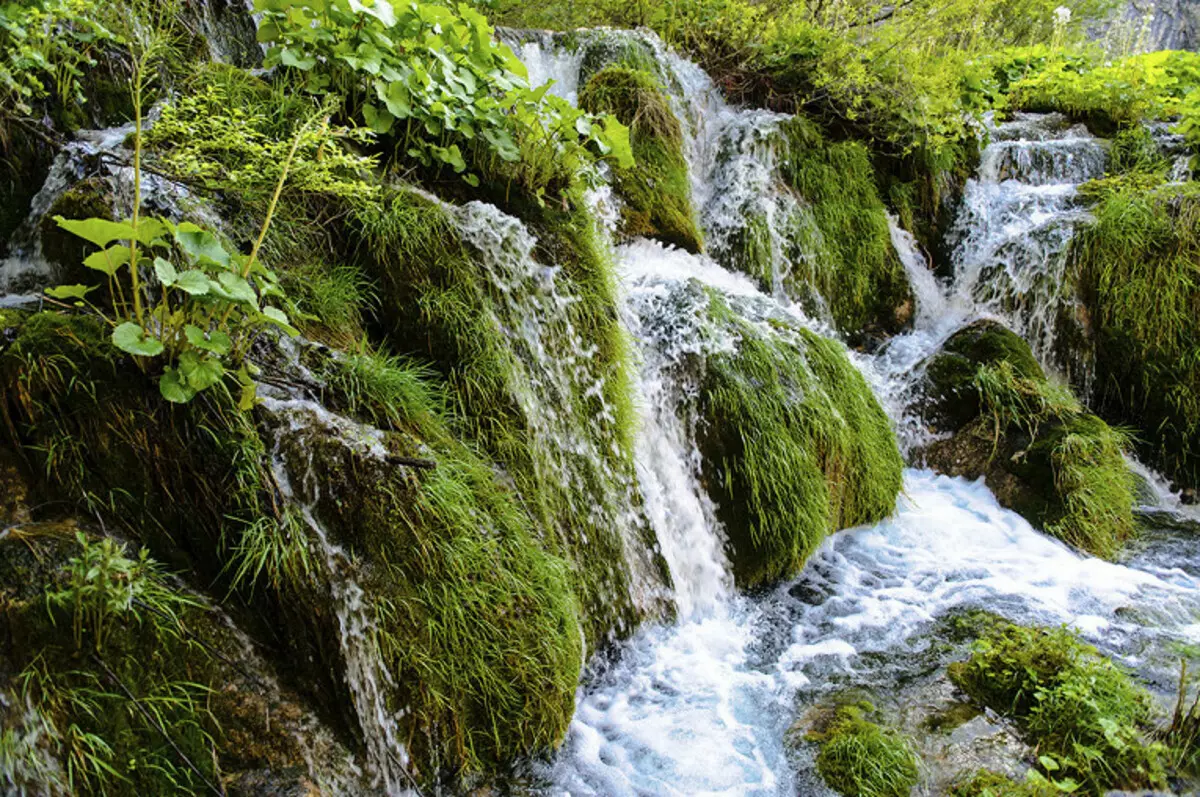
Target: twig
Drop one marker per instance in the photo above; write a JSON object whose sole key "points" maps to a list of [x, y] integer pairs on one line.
{"points": [[412, 462]]}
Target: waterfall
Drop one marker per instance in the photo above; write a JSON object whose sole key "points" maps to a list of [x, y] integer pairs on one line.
{"points": [[703, 706]]}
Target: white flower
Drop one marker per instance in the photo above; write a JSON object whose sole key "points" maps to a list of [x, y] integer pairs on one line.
{"points": [[1062, 15]]}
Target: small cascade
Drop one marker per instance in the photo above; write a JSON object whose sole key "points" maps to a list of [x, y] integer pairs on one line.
{"points": [[563, 397], [368, 680], [96, 154], [1018, 217]]}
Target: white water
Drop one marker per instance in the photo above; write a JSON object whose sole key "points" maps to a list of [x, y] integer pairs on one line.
{"points": [[702, 706]]}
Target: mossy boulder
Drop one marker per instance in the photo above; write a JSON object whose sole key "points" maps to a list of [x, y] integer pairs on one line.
{"points": [[1041, 453], [795, 445], [439, 300], [861, 758], [856, 269], [656, 190], [136, 685], [476, 624], [1088, 719], [1135, 267]]}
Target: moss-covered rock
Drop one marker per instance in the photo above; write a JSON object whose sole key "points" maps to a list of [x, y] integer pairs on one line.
{"points": [[795, 445], [860, 758], [139, 686], [476, 623], [439, 297], [1135, 264], [656, 189], [985, 783], [1040, 452], [1085, 716], [857, 270]]}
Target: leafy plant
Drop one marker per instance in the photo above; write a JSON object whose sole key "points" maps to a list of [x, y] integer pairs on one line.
{"points": [[435, 71], [1086, 716], [46, 46]]}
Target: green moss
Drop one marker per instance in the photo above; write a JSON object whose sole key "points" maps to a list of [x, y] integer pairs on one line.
{"points": [[1136, 266], [477, 623], [796, 446], [985, 783], [1042, 454], [859, 758], [656, 190], [437, 301], [859, 273], [1084, 714]]}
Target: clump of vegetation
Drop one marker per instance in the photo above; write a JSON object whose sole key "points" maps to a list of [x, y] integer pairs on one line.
{"points": [[985, 783], [656, 189], [1088, 719], [435, 79], [436, 300], [796, 446], [1136, 266], [1042, 454], [860, 758], [477, 623], [858, 271], [123, 696]]}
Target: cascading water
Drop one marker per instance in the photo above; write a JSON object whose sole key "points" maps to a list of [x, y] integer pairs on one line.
{"points": [[368, 680], [703, 706], [1018, 217]]}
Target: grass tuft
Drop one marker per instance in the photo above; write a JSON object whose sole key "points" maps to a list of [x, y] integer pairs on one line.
{"points": [[859, 758]]}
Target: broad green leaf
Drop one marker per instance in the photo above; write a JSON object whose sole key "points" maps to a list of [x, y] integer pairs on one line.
{"points": [[129, 337], [150, 229], [108, 260], [69, 291], [289, 57], [217, 341], [280, 319], [101, 232], [194, 282], [249, 396], [237, 289], [200, 372], [201, 244], [165, 271], [173, 387], [378, 119]]}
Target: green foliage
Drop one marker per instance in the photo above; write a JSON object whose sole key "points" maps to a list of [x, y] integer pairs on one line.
{"points": [[1137, 270], [985, 783], [437, 72], [1159, 85], [122, 712], [796, 446], [208, 310], [102, 586], [858, 271], [233, 140], [859, 758], [656, 190], [1087, 718], [274, 550], [392, 392], [46, 47]]}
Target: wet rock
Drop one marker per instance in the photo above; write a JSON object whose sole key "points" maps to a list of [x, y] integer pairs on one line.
{"points": [[795, 445], [1039, 451]]}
